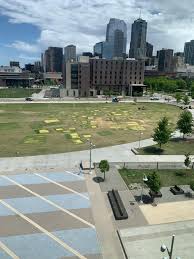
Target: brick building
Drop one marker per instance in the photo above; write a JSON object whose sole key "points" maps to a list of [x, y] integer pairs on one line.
{"points": [[93, 77]]}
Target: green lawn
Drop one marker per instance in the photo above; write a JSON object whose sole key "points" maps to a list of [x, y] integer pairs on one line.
{"points": [[168, 177], [17, 92], [72, 124], [174, 147]]}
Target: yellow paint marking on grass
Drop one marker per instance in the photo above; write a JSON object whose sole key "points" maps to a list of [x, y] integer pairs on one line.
{"points": [[8, 251], [43, 131], [48, 201], [51, 121], [43, 230]]}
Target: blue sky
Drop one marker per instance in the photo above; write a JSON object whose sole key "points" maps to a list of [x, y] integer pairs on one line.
{"points": [[28, 27], [16, 32]]}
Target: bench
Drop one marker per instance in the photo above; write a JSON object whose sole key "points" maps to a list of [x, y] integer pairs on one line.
{"points": [[117, 206], [176, 190]]}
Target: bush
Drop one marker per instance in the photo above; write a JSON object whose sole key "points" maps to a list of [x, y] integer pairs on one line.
{"points": [[180, 173], [154, 182], [192, 185]]}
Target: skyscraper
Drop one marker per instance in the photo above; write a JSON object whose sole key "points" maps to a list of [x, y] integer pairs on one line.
{"points": [[165, 60], [98, 49], [70, 53], [138, 39], [54, 59], [189, 52], [149, 50], [116, 37]]}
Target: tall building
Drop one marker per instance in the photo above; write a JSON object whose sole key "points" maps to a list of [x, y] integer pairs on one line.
{"points": [[91, 77], [70, 53], [87, 54], [178, 61], [14, 64], [165, 60], [116, 36], [29, 67], [189, 52], [53, 59], [98, 49], [138, 39], [149, 50]]}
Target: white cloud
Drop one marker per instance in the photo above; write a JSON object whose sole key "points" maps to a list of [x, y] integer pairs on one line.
{"points": [[24, 46], [83, 22]]}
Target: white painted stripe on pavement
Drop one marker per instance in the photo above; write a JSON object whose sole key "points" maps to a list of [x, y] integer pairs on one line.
{"points": [[81, 177], [8, 251], [59, 241], [62, 186], [48, 201]]}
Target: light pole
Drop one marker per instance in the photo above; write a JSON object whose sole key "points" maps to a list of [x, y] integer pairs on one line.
{"points": [[140, 134], [165, 248], [145, 179], [91, 146]]}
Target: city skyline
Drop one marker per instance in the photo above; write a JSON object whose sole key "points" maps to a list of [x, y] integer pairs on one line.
{"points": [[29, 30]]}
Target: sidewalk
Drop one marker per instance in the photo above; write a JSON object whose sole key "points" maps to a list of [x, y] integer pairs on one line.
{"points": [[107, 235]]}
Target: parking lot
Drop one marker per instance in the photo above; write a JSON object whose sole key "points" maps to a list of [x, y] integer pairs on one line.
{"points": [[46, 215]]}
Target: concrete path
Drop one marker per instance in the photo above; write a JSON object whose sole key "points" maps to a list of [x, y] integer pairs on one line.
{"points": [[116, 154], [107, 235]]}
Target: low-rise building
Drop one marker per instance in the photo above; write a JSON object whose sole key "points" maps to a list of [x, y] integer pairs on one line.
{"points": [[15, 77], [91, 77]]}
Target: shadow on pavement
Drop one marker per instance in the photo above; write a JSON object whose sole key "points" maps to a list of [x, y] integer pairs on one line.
{"points": [[98, 179]]}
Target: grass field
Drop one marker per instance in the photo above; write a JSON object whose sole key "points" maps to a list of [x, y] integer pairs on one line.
{"points": [[17, 92], [168, 177], [174, 147], [32, 129]]}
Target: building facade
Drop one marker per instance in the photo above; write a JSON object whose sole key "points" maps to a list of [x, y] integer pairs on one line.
{"points": [[53, 59], [15, 77], [70, 53], [116, 37], [98, 49], [189, 52], [149, 50], [14, 64], [138, 39], [165, 60], [100, 76]]}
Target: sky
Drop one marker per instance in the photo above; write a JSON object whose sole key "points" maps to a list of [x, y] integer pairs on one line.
{"points": [[28, 27]]}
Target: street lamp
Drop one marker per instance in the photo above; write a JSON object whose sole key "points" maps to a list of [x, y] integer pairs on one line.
{"points": [[91, 146], [165, 248], [145, 179], [140, 134]]}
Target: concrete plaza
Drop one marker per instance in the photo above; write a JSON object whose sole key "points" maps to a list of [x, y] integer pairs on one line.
{"points": [[145, 242]]}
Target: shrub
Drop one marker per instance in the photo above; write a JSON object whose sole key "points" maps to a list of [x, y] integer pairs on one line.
{"points": [[192, 185]]}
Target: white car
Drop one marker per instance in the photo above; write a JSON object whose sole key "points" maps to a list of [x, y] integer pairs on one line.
{"points": [[154, 98]]}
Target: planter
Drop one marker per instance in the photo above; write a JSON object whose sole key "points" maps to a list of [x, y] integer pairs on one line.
{"points": [[155, 194]]}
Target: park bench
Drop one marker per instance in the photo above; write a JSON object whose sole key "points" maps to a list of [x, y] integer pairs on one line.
{"points": [[176, 190], [117, 206]]}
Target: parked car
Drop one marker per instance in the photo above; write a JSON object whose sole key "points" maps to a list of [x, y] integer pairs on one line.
{"points": [[29, 99], [115, 100], [154, 98]]}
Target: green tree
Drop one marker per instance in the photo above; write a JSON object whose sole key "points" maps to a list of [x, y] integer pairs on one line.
{"points": [[104, 167], [187, 161], [185, 123], [178, 97], [162, 133], [186, 100], [154, 182]]}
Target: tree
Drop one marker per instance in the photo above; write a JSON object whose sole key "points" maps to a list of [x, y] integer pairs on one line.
{"points": [[187, 161], [186, 100], [178, 97], [104, 167], [154, 182], [185, 123], [162, 133]]}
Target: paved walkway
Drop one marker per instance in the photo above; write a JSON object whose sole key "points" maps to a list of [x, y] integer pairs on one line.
{"points": [[107, 234]]}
